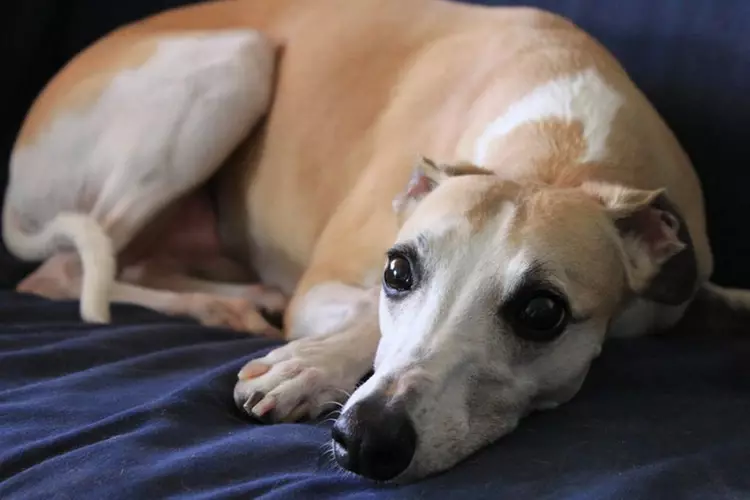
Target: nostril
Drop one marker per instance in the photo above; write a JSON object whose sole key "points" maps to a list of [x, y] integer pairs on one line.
{"points": [[338, 434], [341, 435]]}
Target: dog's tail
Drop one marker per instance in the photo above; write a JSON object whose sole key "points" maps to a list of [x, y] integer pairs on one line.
{"points": [[86, 236], [719, 309]]}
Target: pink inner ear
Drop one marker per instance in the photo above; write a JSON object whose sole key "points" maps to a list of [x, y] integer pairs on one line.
{"points": [[658, 229], [419, 185]]}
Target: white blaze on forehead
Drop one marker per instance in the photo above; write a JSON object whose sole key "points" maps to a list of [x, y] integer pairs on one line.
{"points": [[584, 97]]}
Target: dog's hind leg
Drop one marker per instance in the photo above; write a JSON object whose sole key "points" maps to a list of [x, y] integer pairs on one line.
{"points": [[201, 96], [59, 278], [163, 274], [210, 310], [127, 128]]}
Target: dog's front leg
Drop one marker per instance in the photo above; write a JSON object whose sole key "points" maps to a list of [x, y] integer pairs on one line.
{"points": [[338, 333], [332, 318]]}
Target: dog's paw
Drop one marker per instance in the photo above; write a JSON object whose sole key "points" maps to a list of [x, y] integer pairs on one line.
{"points": [[237, 313], [296, 381]]}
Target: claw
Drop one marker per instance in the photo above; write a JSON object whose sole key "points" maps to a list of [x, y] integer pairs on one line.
{"points": [[252, 401], [262, 410]]}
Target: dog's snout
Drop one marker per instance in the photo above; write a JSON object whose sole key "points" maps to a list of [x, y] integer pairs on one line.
{"points": [[374, 439]]}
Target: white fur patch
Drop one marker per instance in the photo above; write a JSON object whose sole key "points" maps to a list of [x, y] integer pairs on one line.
{"points": [[155, 131], [583, 97], [330, 308]]}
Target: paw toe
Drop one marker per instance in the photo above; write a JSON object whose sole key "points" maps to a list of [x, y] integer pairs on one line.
{"points": [[253, 369]]}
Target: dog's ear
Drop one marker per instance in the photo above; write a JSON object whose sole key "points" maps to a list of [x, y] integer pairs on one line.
{"points": [[658, 251], [425, 177]]}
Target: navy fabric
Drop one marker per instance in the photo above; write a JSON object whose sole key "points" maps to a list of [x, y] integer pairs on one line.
{"points": [[142, 408]]}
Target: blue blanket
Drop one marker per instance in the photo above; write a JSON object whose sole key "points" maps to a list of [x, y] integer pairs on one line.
{"points": [[143, 409]]}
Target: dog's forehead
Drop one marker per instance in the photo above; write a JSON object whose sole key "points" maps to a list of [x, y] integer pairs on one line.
{"points": [[568, 232], [566, 221], [493, 233], [464, 204]]}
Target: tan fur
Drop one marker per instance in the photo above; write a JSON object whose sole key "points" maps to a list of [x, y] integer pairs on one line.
{"points": [[490, 202], [547, 213]]}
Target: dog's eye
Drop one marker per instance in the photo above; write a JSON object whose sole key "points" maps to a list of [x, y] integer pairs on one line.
{"points": [[398, 277], [540, 317]]}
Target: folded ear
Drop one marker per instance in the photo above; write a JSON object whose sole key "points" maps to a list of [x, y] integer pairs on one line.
{"points": [[425, 177], [658, 251]]}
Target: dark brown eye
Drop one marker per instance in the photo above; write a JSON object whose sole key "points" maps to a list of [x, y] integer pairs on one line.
{"points": [[540, 317], [398, 276]]}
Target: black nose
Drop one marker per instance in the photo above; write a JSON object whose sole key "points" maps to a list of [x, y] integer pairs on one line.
{"points": [[374, 439]]}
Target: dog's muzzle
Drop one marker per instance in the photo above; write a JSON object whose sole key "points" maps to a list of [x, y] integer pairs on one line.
{"points": [[375, 439]]}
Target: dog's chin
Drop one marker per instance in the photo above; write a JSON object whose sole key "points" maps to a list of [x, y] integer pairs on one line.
{"points": [[418, 470], [430, 467], [413, 474]]}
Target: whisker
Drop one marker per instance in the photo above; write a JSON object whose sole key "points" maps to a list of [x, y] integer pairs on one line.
{"points": [[329, 461], [346, 394], [331, 415], [328, 457], [326, 448], [328, 421]]}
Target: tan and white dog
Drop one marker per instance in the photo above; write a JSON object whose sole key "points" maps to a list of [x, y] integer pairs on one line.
{"points": [[526, 199]]}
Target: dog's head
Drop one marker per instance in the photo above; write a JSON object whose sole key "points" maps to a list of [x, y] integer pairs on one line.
{"points": [[495, 299]]}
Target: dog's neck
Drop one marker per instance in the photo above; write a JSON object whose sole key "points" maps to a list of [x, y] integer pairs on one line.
{"points": [[551, 135]]}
